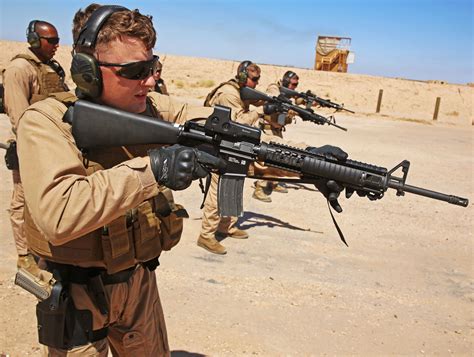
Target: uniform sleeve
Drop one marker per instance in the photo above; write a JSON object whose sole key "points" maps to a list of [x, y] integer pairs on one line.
{"points": [[239, 113], [176, 111], [164, 89], [17, 81], [64, 202], [273, 90]]}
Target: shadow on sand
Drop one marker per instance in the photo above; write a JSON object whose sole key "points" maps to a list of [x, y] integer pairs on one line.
{"points": [[181, 353], [253, 219]]}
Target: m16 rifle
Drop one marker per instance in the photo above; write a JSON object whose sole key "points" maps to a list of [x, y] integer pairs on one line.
{"points": [[95, 126], [311, 98], [284, 105]]}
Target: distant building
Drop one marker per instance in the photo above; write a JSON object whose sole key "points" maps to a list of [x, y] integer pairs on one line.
{"points": [[333, 54]]}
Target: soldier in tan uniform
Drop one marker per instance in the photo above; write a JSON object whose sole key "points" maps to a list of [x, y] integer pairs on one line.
{"points": [[160, 86], [98, 220], [274, 124], [228, 94], [30, 77]]}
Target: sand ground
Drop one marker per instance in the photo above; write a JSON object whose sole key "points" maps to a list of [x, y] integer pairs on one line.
{"points": [[404, 286]]}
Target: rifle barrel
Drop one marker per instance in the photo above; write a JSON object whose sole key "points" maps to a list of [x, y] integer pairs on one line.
{"points": [[455, 200]]}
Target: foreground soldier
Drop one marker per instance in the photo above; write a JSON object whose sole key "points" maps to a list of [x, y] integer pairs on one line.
{"points": [[98, 220], [31, 76], [227, 94]]}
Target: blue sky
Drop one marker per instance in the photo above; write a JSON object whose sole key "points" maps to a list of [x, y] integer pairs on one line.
{"points": [[416, 39]]}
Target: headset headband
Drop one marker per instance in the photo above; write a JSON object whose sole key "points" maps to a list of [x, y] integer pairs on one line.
{"points": [[89, 32], [31, 26], [243, 66]]}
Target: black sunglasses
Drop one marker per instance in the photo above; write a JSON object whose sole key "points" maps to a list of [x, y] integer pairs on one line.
{"points": [[52, 40], [135, 70], [255, 79]]}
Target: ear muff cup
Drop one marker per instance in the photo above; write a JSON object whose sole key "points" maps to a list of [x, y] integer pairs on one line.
{"points": [[86, 74], [242, 77], [286, 78], [34, 40], [32, 36], [242, 73]]}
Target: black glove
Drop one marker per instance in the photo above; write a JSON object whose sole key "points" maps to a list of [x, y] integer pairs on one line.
{"points": [[329, 151], [329, 188], [270, 108], [176, 166]]}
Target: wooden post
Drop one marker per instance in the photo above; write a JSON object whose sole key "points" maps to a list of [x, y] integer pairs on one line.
{"points": [[379, 101], [436, 111]]}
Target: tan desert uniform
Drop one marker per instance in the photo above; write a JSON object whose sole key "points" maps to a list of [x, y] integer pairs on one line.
{"points": [[226, 94], [269, 124], [102, 215], [26, 80]]}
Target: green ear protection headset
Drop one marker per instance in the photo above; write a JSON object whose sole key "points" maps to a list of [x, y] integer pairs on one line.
{"points": [[85, 70], [242, 73], [286, 78], [32, 36]]}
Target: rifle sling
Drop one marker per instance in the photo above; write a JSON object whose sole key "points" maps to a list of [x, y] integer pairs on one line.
{"points": [[341, 235]]}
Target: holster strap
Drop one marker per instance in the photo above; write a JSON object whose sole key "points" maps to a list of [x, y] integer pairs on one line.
{"points": [[78, 275], [98, 335]]}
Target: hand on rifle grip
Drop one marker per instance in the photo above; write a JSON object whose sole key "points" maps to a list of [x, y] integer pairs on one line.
{"points": [[210, 162], [176, 166]]}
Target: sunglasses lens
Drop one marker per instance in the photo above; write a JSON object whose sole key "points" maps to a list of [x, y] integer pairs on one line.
{"points": [[52, 40], [139, 70]]}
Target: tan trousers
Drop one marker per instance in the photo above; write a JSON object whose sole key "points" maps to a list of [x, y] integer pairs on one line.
{"points": [[211, 221], [136, 322], [17, 206]]}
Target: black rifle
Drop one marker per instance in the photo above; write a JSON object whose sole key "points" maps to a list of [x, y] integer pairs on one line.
{"points": [[284, 104], [95, 126], [311, 98]]}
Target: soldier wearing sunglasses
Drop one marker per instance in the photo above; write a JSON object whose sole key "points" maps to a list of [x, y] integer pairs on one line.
{"points": [[160, 86], [100, 220], [228, 94], [274, 124], [28, 78]]}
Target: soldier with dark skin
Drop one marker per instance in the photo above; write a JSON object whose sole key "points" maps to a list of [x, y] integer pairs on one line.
{"points": [[28, 78]]}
